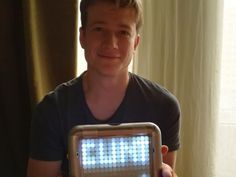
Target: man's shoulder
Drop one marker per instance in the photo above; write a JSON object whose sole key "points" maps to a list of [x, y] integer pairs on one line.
{"points": [[71, 84], [146, 83], [151, 88], [63, 92]]}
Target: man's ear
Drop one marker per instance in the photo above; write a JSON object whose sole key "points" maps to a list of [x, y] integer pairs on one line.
{"points": [[81, 36], [136, 42]]}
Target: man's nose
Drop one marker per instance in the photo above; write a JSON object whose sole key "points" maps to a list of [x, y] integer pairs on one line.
{"points": [[110, 40]]}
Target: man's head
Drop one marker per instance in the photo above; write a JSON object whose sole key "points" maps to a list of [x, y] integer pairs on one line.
{"points": [[133, 4], [109, 35]]}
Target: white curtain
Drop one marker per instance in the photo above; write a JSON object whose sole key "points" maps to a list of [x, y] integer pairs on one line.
{"points": [[180, 49]]}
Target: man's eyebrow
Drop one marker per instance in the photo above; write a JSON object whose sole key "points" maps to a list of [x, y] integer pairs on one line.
{"points": [[125, 26], [98, 23]]}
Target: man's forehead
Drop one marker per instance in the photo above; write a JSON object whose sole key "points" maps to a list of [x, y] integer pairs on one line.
{"points": [[104, 13], [109, 8]]}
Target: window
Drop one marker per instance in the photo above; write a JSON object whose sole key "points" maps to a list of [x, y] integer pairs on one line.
{"points": [[81, 63], [226, 142]]}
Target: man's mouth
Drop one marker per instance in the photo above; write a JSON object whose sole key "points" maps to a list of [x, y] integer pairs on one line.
{"points": [[109, 56]]}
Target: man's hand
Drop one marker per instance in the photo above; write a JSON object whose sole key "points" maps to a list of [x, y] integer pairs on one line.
{"points": [[38, 168], [167, 171], [168, 157]]}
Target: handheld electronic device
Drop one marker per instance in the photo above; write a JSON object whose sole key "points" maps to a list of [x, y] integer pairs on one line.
{"points": [[128, 149]]}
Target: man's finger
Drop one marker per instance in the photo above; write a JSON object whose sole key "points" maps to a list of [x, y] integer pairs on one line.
{"points": [[166, 170]]}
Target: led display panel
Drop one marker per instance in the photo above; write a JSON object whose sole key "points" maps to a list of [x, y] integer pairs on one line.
{"points": [[115, 151]]}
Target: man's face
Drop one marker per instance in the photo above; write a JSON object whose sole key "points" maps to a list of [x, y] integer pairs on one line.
{"points": [[109, 39]]}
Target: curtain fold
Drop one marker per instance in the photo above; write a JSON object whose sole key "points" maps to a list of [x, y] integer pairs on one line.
{"points": [[180, 49], [51, 30], [37, 52]]}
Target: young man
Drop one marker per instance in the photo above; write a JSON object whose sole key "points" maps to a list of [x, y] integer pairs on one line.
{"points": [[105, 93]]}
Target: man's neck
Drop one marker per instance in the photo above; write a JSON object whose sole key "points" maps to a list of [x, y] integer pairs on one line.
{"points": [[104, 94], [97, 84]]}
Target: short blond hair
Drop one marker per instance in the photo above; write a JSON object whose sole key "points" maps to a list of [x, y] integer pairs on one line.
{"points": [[135, 4]]}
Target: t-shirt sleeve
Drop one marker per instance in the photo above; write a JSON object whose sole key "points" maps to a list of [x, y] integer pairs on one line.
{"points": [[171, 126], [46, 141]]}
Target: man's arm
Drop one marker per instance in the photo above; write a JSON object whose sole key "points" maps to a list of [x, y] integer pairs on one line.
{"points": [[168, 165], [170, 159], [38, 168]]}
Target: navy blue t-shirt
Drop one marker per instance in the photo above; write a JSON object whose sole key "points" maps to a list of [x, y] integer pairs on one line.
{"points": [[66, 107]]}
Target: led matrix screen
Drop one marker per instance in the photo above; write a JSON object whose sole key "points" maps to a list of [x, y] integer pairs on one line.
{"points": [[115, 156]]}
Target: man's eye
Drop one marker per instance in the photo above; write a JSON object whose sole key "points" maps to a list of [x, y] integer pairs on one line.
{"points": [[97, 29], [126, 33]]}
